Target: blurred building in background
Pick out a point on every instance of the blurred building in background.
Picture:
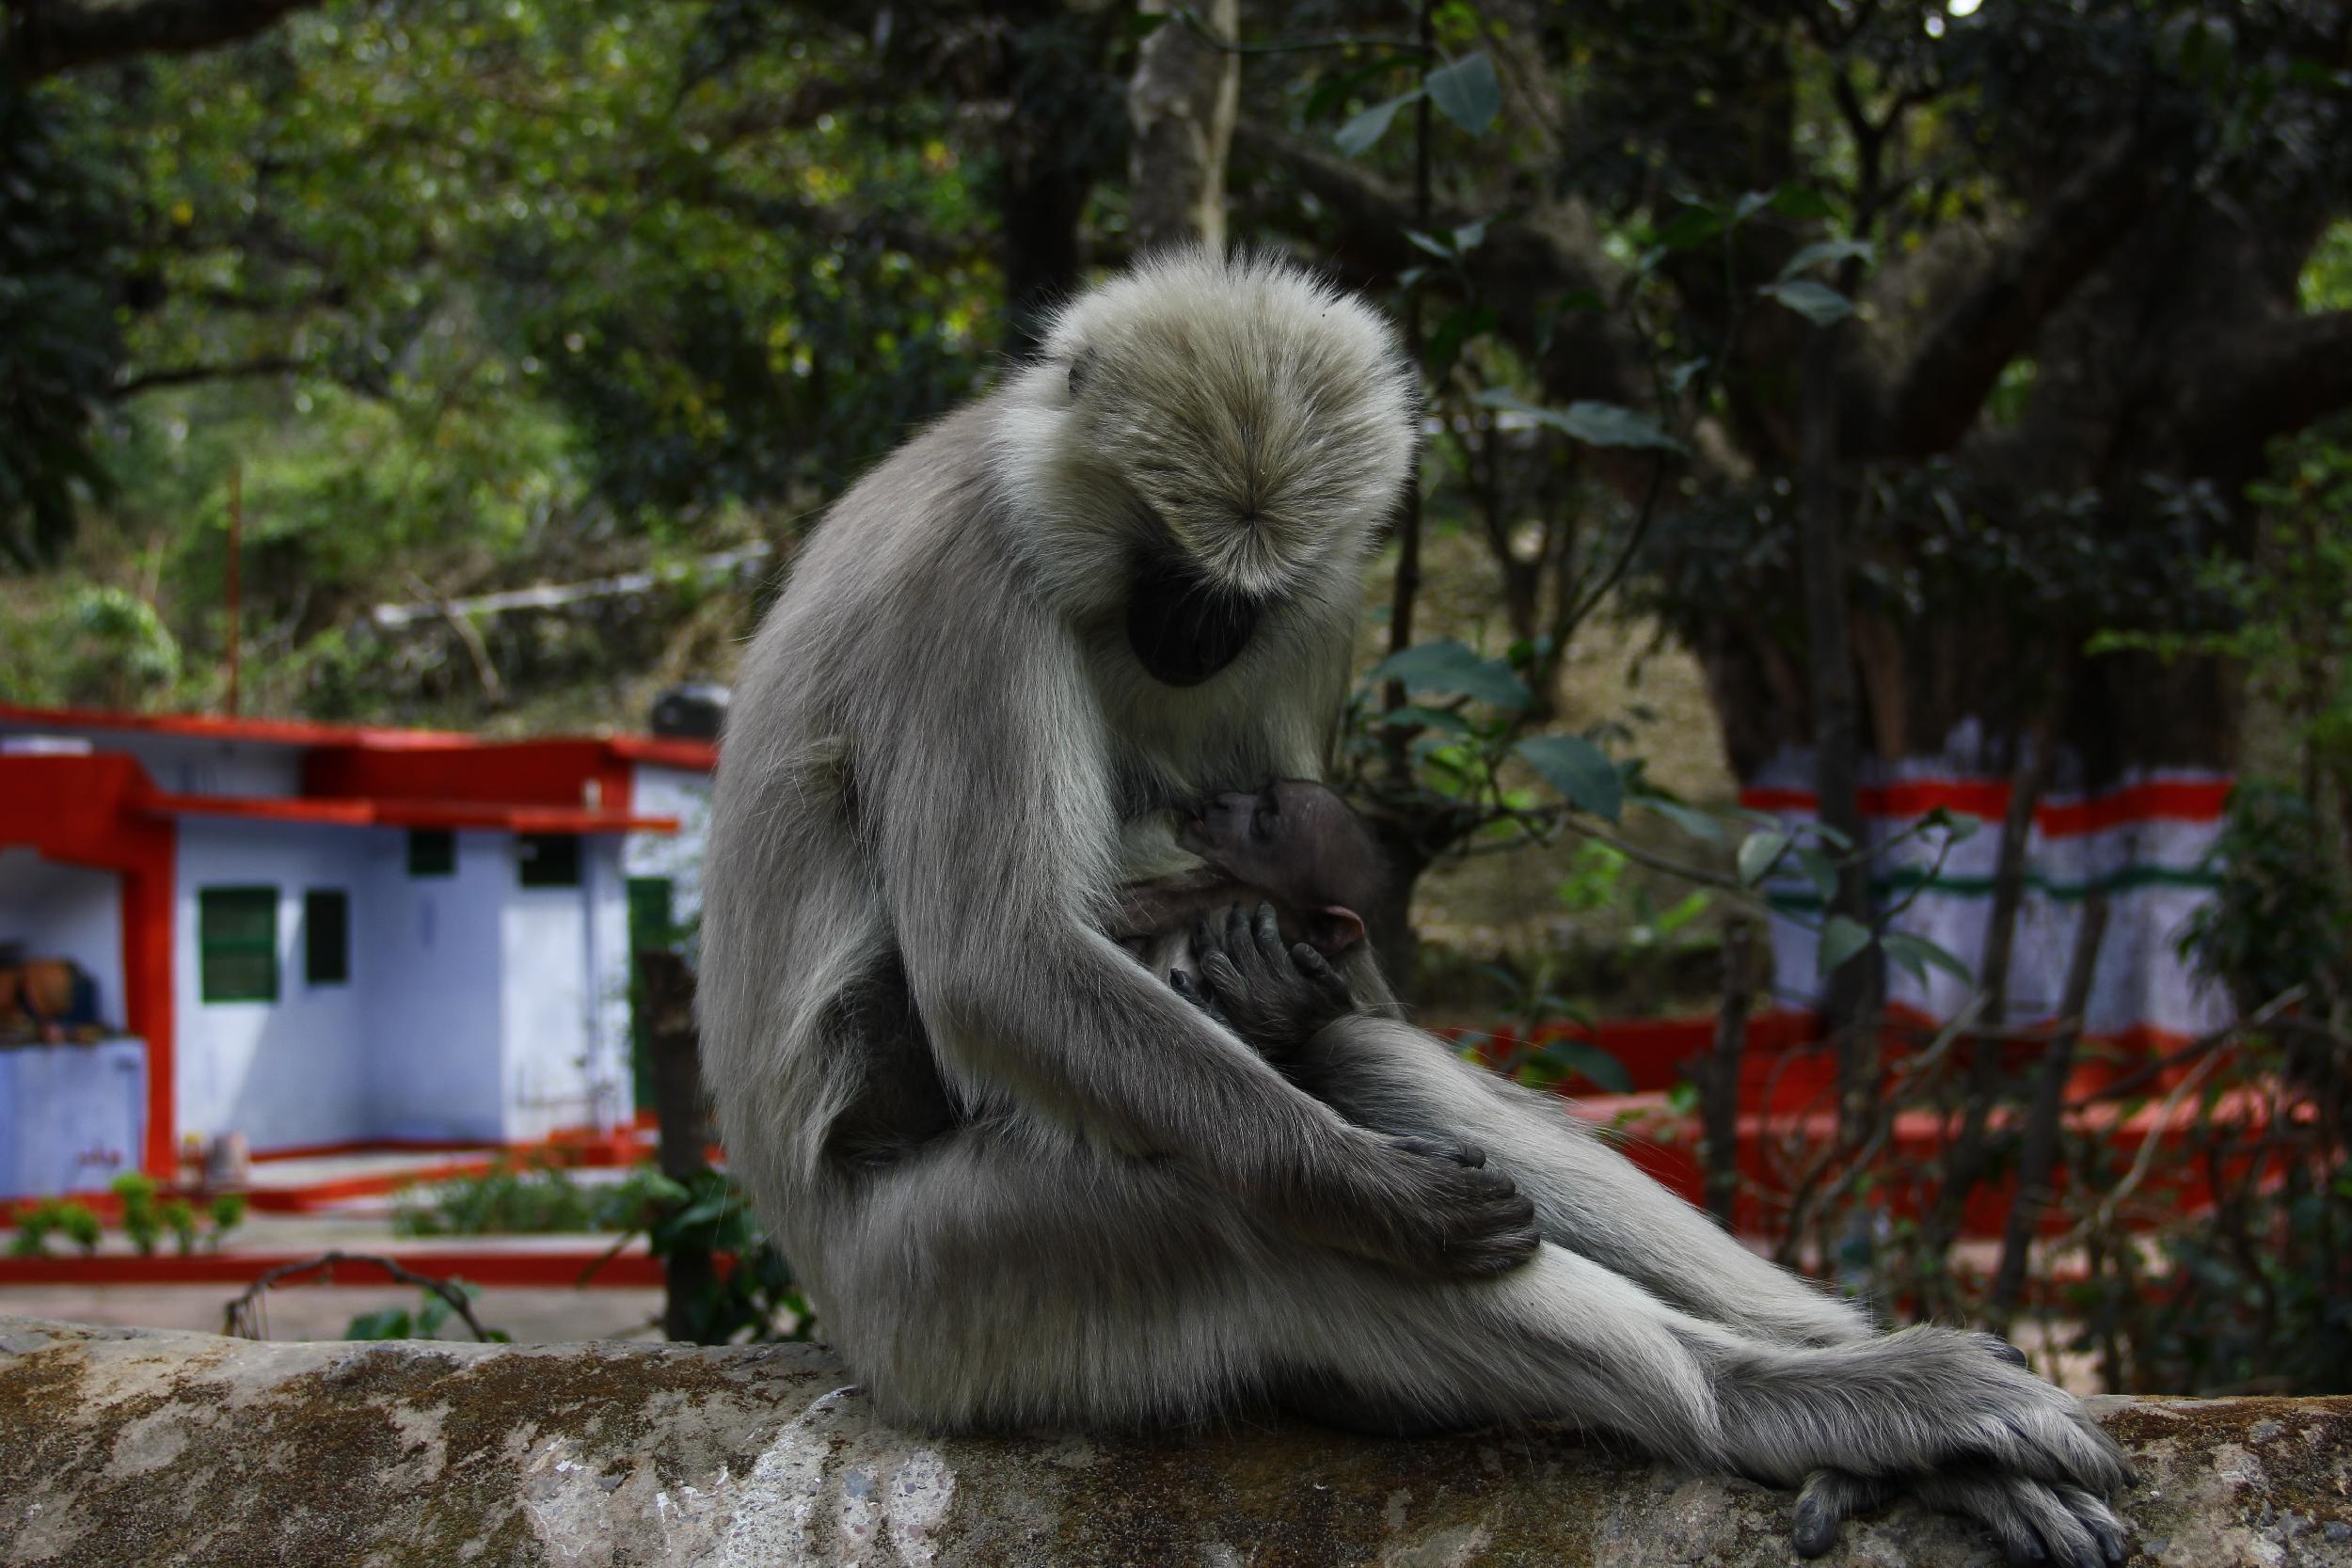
(321, 937)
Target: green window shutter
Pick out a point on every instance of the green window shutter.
(432, 852)
(326, 937)
(549, 860)
(236, 934)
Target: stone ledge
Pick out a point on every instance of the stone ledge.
(127, 1448)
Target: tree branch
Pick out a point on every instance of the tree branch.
(186, 375)
(2277, 377)
(52, 36)
(1930, 402)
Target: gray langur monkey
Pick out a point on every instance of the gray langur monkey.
(1024, 1182)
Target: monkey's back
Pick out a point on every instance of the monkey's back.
(800, 1000)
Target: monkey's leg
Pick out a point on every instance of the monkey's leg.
(1588, 1197)
(1001, 1279)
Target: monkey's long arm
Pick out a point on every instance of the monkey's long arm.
(995, 916)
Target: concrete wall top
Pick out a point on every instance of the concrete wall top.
(159, 1449)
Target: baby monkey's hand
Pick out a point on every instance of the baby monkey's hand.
(1275, 996)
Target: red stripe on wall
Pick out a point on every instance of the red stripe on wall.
(2157, 800)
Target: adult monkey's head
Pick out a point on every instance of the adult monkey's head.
(1198, 443)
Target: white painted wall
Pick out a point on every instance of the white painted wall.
(293, 1072)
(73, 1118)
(684, 794)
(66, 911)
(564, 999)
(436, 948)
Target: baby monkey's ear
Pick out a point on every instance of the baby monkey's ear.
(1331, 930)
(1082, 368)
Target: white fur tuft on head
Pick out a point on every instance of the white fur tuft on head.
(1246, 413)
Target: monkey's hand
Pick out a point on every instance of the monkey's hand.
(1277, 996)
(1438, 1210)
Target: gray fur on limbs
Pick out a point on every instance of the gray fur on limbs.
(1021, 1177)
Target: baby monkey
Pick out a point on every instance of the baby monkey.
(1248, 937)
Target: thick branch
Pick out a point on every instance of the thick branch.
(188, 375)
(1928, 404)
(50, 36)
(2268, 380)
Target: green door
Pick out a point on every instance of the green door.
(652, 926)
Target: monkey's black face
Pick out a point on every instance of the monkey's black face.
(1183, 627)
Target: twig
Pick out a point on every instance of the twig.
(2036, 1159)
(236, 1317)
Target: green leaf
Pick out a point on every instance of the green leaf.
(1690, 907)
(1466, 93)
(1693, 226)
(1688, 819)
(1427, 718)
(1958, 825)
(1917, 953)
(390, 1323)
(1827, 250)
(1449, 666)
(1819, 872)
(1460, 325)
(1471, 236)
(1578, 769)
(1590, 1061)
(1760, 852)
(1356, 138)
(1430, 243)
(1801, 202)
(1841, 939)
(1816, 302)
(1596, 424)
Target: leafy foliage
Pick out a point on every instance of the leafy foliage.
(60, 346)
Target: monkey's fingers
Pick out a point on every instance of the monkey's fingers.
(1828, 1499)
(1320, 974)
(1267, 934)
(1185, 986)
(1220, 981)
(2032, 1523)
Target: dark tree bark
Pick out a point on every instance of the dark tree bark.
(46, 36)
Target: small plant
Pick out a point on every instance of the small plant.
(141, 1223)
(433, 1311)
(179, 1217)
(533, 1200)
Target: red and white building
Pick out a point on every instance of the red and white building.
(325, 937)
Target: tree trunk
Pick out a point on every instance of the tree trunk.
(1181, 104)
(1849, 1014)
(689, 1273)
